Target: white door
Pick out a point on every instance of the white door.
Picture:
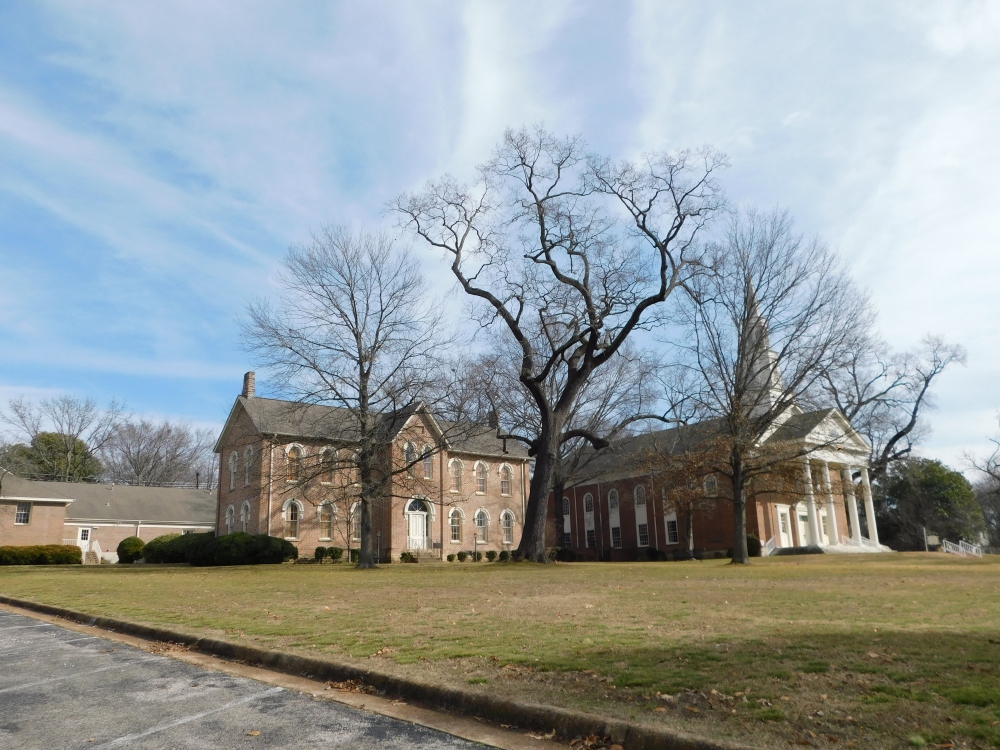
(784, 527)
(804, 539)
(418, 531)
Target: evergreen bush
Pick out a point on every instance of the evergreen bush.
(42, 554)
(491, 555)
(505, 556)
(463, 556)
(319, 554)
(451, 557)
(130, 549)
(334, 553)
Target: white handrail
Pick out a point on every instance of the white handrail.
(770, 546)
(971, 549)
(953, 548)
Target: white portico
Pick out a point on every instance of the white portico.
(825, 448)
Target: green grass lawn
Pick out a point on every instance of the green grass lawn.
(898, 650)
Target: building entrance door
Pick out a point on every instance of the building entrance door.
(416, 519)
(803, 529)
(785, 527)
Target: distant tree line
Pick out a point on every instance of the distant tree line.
(71, 439)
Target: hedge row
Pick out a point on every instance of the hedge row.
(42, 554)
(207, 549)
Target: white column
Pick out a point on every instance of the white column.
(847, 482)
(831, 509)
(866, 493)
(811, 505)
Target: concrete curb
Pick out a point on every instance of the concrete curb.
(531, 716)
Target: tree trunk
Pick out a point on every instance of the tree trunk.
(536, 516)
(690, 529)
(740, 554)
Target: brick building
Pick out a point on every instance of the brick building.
(96, 516)
(285, 470)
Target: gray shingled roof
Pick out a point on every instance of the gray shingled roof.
(106, 502)
(312, 421)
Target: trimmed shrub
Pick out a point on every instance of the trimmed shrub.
(130, 549)
(753, 545)
(42, 554)
(408, 557)
(355, 555)
(451, 557)
(334, 553)
(319, 554)
(517, 555)
(159, 550)
(463, 556)
(477, 556)
(505, 556)
(491, 555)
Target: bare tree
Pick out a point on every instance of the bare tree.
(884, 393)
(567, 256)
(770, 319)
(353, 330)
(988, 489)
(72, 423)
(145, 452)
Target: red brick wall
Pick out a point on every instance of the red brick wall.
(45, 524)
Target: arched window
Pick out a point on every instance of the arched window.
(456, 475)
(230, 515)
(354, 523)
(294, 468)
(482, 526)
(507, 526)
(567, 524)
(482, 475)
(588, 520)
(711, 485)
(641, 519)
(326, 514)
(455, 520)
(247, 460)
(234, 462)
(327, 466)
(615, 519)
(428, 462)
(245, 517)
(505, 480)
(410, 457)
(293, 519)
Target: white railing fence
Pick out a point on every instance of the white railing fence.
(971, 549)
(769, 547)
(952, 548)
(962, 549)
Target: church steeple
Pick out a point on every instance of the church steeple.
(765, 388)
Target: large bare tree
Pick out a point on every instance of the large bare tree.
(148, 452)
(884, 393)
(773, 315)
(567, 255)
(988, 489)
(352, 329)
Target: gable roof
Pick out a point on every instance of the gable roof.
(294, 419)
(118, 502)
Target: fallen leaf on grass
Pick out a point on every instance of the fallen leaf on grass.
(253, 733)
(660, 709)
(549, 736)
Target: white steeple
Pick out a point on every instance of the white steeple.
(765, 388)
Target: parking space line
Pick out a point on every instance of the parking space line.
(21, 627)
(77, 674)
(186, 719)
(33, 645)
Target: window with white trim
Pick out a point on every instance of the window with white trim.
(22, 514)
(588, 520)
(245, 517)
(230, 517)
(293, 470)
(354, 523)
(455, 521)
(410, 457)
(293, 519)
(711, 485)
(84, 535)
(328, 466)
(247, 460)
(506, 483)
(615, 519)
(507, 526)
(234, 462)
(326, 514)
(567, 524)
(482, 526)
(456, 475)
(482, 476)
(673, 535)
(428, 462)
(641, 519)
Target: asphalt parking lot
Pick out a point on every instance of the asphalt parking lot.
(61, 688)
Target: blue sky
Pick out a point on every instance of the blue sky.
(156, 160)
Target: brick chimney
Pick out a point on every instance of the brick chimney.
(248, 384)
